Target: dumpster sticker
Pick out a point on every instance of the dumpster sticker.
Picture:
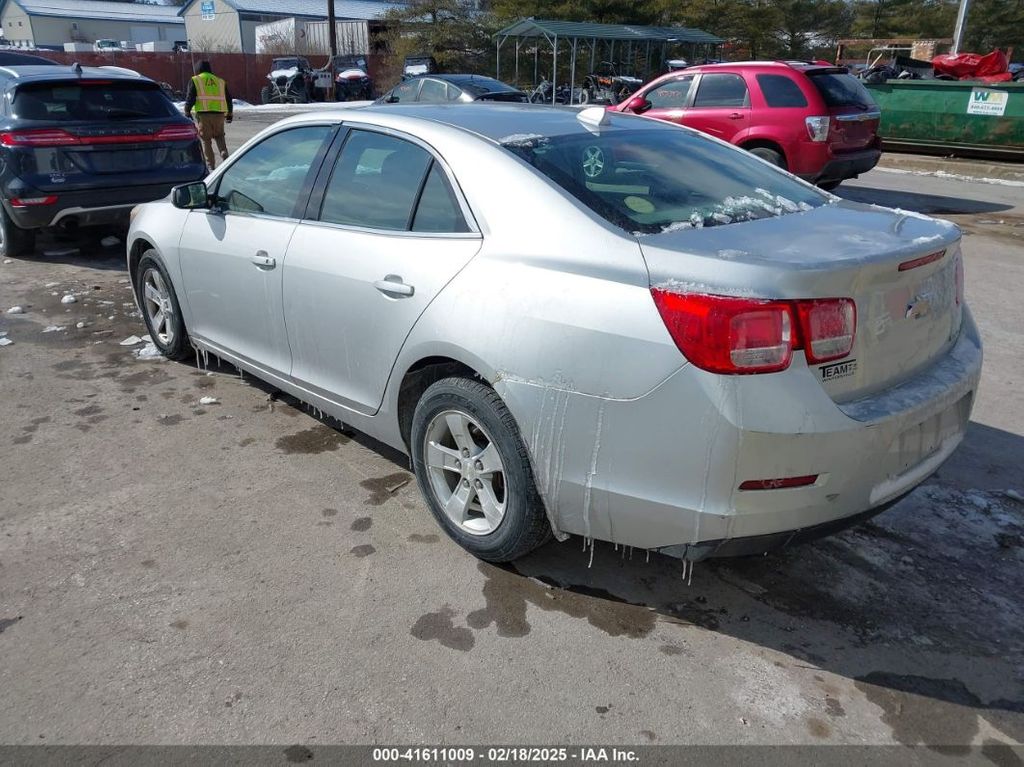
(206, 8)
(986, 102)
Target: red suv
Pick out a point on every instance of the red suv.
(815, 120)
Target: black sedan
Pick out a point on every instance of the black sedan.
(438, 89)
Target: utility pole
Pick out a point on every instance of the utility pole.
(332, 29)
(961, 25)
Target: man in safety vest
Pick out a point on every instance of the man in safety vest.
(210, 99)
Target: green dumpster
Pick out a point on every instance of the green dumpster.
(952, 116)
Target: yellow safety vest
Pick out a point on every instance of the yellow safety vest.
(210, 93)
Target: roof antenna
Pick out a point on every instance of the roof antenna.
(76, 68)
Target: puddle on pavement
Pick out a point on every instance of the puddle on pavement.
(317, 439)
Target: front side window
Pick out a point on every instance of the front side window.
(721, 91)
(671, 95)
(404, 92)
(384, 182)
(653, 181)
(270, 177)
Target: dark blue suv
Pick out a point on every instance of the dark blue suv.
(81, 146)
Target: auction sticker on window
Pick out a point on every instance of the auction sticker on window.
(987, 102)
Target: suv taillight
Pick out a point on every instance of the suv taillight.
(736, 336)
(817, 127)
(45, 137)
(37, 137)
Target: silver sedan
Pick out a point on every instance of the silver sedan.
(576, 322)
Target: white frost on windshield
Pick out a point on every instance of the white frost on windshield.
(786, 204)
(674, 227)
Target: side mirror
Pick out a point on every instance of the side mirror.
(392, 99)
(191, 196)
(638, 105)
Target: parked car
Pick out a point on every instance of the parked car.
(81, 146)
(15, 59)
(816, 121)
(106, 45)
(436, 89)
(576, 322)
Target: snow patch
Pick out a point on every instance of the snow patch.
(68, 299)
(16, 310)
(54, 328)
(148, 352)
(131, 341)
(209, 401)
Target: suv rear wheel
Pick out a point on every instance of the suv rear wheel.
(14, 241)
(769, 155)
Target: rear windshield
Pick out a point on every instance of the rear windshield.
(842, 90)
(479, 85)
(652, 181)
(78, 101)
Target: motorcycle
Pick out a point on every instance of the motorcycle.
(563, 95)
(607, 86)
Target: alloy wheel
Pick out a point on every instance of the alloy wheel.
(465, 471)
(158, 306)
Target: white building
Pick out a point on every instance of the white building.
(32, 23)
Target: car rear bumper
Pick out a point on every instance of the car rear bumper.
(88, 207)
(844, 166)
(663, 471)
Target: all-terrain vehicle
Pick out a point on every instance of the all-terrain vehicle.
(291, 81)
(351, 79)
(419, 65)
(607, 86)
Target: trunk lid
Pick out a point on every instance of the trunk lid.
(855, 116)
(906, 318)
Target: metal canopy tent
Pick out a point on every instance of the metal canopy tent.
(584, 34)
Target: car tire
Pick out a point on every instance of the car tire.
(168, 333)
(769, 155)
(14, 241)
(265, 94)
(501, 520)
(828, 186)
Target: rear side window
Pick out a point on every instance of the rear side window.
(721, 91)
(83, 101)
(270, 177)
(383, 182)
(433, 91)
(842, 90)
(780, 91)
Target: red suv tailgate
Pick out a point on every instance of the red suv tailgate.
(855, 116)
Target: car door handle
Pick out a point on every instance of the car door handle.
(264, 261)
(736, 116)
(392, 284)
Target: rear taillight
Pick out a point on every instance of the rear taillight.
(723, 334)
(817, 127)
(179, 132)
(827, 328)
(47, 137)
(38, 137)
(736, 336)
(28, 202)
